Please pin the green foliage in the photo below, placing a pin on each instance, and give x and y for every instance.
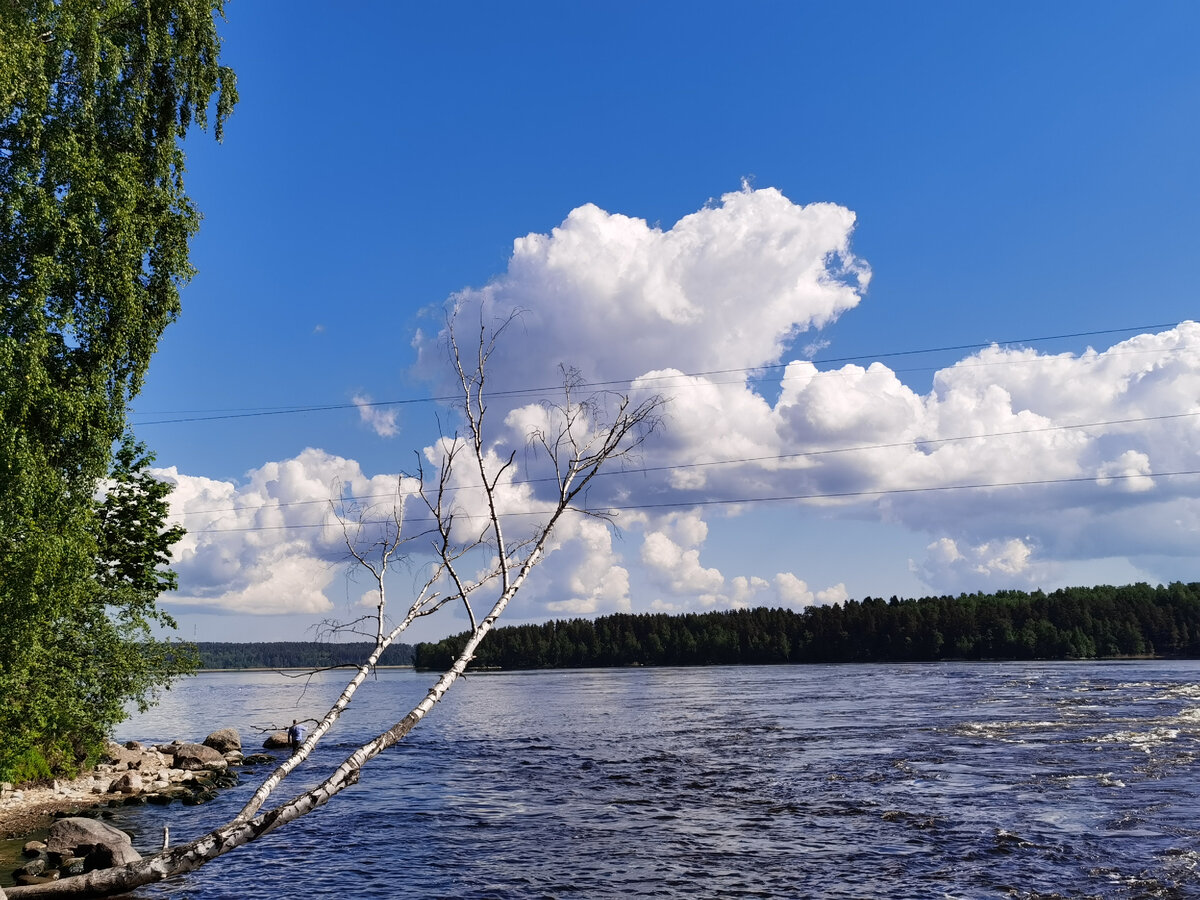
(101, 653)
(22, 768)
(1072, 623)
(134, 543)
(95, 100)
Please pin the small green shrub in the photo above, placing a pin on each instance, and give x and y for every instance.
(26, 767)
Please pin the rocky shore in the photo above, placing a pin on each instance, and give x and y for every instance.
(66, 813)
(183, 772)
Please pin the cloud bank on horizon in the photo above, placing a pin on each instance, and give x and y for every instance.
(1083, 453)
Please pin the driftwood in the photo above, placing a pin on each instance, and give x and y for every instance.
(577, 440)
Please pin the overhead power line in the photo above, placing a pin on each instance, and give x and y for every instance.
(745, 501)
(917, 442)
(219, 415)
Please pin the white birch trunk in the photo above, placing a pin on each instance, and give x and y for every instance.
(577, 450)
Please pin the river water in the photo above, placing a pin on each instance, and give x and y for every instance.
(1028, 780)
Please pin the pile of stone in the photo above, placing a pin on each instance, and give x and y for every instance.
(184, 771)
(75, 846)
(189, 773)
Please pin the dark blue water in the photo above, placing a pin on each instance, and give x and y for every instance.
(956, 780)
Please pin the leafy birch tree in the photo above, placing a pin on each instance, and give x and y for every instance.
(95, 101)
(473, 559)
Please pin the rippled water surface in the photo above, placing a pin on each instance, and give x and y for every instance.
(954, 780)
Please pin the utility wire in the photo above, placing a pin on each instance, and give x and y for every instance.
(840, 495)
(677, 504)
(202, 416)
(742, 460)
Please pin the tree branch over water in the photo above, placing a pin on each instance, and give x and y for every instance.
(577, 438)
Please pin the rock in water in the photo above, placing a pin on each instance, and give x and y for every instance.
(198, 756)
(100, 843)
(224, 740)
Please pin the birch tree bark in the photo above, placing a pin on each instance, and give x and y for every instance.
(578, 438)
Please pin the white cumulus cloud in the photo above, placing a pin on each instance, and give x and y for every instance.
(271, 543)
(728, 286)
(1012, 465)
(995, 564)
(381, 421)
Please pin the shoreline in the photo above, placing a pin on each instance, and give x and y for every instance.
(125, 775)
(32, 814)
(34, 809)
(297, 668)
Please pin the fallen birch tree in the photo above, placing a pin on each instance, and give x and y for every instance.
(575, 440)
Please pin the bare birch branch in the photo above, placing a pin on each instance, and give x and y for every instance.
(578, 441)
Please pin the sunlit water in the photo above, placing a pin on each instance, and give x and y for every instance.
(954, 780)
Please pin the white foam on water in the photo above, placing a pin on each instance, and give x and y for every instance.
(1146, 741)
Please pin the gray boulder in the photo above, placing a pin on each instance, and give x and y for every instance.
(224, 740)
(198, 756)
(276, 740)
(122, 757)
(129, 783)
(101, 844)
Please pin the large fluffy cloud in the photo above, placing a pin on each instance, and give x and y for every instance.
(728, 286)
(1016, 460)
(1014, 464)
(1070, 445)
(273, 543)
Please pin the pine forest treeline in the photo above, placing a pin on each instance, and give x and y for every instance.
(296, 655)
(1071, 623)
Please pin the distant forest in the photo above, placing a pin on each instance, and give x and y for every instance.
(1072, 623)
(296, 655)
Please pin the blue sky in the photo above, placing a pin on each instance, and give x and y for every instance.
(1014, 172)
